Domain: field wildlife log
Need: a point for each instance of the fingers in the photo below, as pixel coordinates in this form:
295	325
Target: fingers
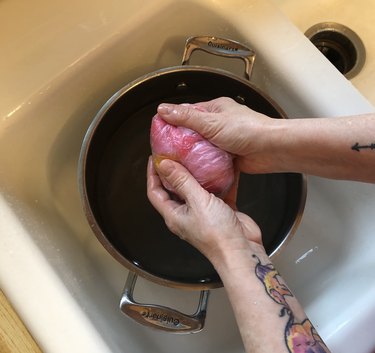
195	117
176	214
197	218
217	105
156	193
184	185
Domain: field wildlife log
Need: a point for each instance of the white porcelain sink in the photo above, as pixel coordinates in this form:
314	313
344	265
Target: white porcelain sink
359	16
61	63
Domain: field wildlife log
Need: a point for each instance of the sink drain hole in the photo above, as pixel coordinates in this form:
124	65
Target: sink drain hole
340	45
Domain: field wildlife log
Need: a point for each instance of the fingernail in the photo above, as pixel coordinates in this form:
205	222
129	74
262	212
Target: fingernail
165	108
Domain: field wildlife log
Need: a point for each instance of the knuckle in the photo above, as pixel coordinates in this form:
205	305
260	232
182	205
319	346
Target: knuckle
173	222
224	100
212	126
177	180
190	116
189	113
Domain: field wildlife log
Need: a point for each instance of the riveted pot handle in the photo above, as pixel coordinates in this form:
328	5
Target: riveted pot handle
221	47
161	317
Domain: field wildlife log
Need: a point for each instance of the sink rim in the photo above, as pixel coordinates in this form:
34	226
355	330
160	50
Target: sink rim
16	286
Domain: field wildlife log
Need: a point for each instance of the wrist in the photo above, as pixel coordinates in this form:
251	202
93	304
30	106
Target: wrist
268	150
280	145
240	256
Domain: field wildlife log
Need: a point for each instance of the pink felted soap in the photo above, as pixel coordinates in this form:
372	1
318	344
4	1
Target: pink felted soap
210	166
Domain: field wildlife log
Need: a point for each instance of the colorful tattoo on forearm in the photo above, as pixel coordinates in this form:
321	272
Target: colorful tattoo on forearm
300	337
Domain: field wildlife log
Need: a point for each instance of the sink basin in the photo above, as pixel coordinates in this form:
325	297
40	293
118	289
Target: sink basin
358	16
62	62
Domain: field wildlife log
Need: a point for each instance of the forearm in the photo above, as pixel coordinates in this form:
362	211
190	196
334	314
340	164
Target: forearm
269	317
337	148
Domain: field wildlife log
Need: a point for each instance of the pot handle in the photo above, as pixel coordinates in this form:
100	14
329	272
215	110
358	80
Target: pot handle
221	47
162	317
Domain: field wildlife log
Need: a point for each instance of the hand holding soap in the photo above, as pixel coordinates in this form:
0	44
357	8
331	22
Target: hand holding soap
210	166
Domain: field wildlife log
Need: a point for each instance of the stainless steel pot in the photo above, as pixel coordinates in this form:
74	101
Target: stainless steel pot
112	179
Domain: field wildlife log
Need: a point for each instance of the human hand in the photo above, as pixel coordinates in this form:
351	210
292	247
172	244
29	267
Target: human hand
205	221
232	127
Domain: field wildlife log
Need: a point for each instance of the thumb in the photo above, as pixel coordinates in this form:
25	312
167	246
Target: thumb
183	184
191	116
253	232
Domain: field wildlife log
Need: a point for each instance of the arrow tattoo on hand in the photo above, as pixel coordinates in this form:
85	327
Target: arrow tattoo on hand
357	147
